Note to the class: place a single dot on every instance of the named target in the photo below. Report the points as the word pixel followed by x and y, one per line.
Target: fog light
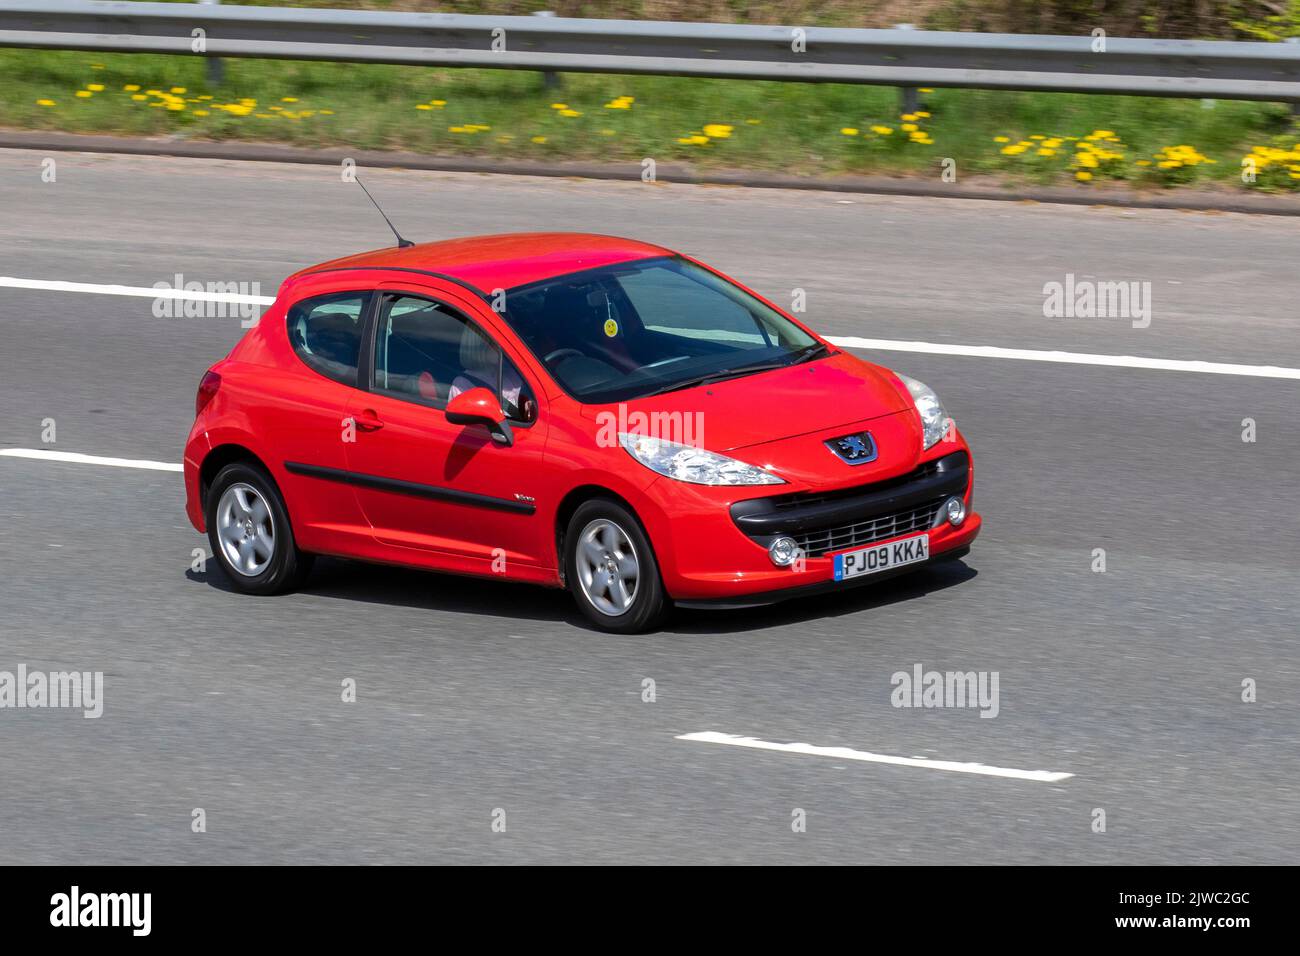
pixel 783 551
pixel 955 511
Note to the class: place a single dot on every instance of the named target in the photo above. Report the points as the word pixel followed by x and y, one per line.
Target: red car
pixel 569 410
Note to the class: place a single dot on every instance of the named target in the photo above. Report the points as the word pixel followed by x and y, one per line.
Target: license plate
pixel 882 557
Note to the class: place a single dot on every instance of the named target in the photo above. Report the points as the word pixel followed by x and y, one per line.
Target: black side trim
pixel 764 598
pixel 415 489
pixel 790 515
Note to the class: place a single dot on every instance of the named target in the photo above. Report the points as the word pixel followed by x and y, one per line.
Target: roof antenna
pixel 401 243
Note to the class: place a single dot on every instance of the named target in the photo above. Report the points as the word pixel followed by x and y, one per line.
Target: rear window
pixel 326 333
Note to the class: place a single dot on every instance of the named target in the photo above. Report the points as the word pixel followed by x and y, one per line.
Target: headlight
pixel 934 419
pixel 695 465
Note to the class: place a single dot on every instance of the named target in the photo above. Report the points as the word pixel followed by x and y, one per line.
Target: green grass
pixel 791 127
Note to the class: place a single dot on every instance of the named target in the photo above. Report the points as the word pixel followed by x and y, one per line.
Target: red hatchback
pixel 569 410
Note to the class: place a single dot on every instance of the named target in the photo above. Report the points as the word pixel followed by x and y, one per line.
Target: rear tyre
pixel 248 528
pixel 611 569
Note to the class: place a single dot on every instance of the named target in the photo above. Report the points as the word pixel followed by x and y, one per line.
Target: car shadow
pixel 829 604
pixel 345 580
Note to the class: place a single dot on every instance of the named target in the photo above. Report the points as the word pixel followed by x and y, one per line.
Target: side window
pixel 326 333
pixel 428 352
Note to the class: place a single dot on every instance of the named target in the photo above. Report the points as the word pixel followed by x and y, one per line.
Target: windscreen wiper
pixel 803 355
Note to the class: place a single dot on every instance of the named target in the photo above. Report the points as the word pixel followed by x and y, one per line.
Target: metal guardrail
pixel 905 58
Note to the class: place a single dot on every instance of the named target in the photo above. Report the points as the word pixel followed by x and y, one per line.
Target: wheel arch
pixel 228 454
pixel 574 499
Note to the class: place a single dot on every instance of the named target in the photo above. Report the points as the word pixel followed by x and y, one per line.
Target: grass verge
pixel 817 129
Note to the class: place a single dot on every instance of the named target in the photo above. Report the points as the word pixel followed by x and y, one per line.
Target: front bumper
pixel 713 549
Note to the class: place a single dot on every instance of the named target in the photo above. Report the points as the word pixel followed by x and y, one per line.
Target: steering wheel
pixel 559 354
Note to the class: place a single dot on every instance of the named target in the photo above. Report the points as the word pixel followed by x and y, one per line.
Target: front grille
pixel 823 522
pixel 802 498
pixel 817 543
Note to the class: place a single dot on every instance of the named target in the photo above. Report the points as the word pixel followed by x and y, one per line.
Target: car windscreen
pixel 621 332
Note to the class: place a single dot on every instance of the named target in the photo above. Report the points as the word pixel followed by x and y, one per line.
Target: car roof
pixel 501 261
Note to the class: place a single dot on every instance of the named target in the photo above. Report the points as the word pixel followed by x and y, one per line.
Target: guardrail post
pixel 550 79
pixel 1295 104
pixel 216 68
pixel 909 100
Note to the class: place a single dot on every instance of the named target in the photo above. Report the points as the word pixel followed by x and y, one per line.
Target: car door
pixel 422 482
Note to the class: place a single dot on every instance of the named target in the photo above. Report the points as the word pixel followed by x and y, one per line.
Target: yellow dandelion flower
pixel 717 130
pixel 46 103
pixel 849 131
pixel 570 113
pixel 539 139
pixel 84 94
pixel 178 89
pixel 95 87
pixel 423 106
pixel 288 99
pixel 1001 139
pixel 1083 176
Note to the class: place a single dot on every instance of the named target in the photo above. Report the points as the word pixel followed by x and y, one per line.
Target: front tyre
pixel 611 569
pixel 248 528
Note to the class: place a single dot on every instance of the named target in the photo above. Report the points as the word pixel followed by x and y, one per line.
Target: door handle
pixel 368 421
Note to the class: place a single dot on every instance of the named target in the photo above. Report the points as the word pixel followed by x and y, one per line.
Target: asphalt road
pixel 474 696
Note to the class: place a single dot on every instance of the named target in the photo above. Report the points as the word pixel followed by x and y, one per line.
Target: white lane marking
pixel 845 753
pixel 167 292
pixel 1070 358
pixel 844 341
pixel 79 459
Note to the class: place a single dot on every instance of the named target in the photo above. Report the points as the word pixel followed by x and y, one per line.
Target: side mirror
pixel 478 406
